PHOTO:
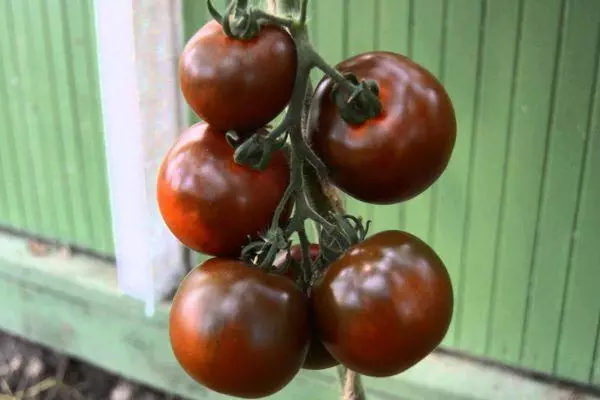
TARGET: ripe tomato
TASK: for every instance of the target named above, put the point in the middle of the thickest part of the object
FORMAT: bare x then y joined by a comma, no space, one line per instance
318,357
384,305
237,84
210,203
238,330
400,153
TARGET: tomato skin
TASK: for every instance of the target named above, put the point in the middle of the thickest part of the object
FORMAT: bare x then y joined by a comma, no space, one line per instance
318,357
237,84
209,202
397,155
384,305
238,330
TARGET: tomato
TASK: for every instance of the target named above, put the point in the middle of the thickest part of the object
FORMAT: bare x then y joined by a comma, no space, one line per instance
209,202
384,305
318,357
296,254
235,84
398,154
238,330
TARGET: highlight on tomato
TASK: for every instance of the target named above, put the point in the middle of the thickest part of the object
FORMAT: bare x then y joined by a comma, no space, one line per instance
238,330
237,84
401,152
211,203
384,305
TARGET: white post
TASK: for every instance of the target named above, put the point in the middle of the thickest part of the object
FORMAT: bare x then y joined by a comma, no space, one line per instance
138,47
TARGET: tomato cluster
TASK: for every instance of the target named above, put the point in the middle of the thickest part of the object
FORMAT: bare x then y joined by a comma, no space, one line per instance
383,303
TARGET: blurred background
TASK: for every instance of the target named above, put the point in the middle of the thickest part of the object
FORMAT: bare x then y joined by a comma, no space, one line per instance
89,103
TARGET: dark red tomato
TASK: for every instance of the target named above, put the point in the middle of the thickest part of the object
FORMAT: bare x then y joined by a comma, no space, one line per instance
237,84
397,155
238,330
296,254
318,357
384,305
211,203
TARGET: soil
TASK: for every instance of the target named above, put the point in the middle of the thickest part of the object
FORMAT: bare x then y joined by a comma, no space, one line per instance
29,371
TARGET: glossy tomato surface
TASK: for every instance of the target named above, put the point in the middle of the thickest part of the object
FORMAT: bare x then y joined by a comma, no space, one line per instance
397,155
211,203
238,330
384,305
237,84
318,357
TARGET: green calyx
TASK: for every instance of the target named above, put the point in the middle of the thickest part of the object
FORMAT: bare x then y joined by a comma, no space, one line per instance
244,23
360,104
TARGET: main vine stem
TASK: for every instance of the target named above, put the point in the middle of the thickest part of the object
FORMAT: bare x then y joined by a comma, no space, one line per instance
313,198
351,383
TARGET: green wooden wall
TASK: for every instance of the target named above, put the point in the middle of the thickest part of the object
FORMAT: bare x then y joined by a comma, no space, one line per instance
52,161
516,217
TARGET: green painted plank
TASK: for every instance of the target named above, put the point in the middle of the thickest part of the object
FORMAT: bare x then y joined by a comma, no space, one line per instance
427,40
31,73
14,69
13,211
524,168
48,133
461,77
330,30
392,17
77,17
327,32
475,274
48,192
595,370
66,110
579,331
195,15
565,156
98,186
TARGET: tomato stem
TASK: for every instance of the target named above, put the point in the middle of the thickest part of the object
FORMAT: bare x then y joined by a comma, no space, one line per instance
338,231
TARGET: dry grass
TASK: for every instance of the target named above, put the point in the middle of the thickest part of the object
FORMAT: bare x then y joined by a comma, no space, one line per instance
31,372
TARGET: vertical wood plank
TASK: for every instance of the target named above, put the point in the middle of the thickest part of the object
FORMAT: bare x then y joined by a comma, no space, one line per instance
89,145
195,15
426,35
100,204
67,116
461,75
16,68
569,126
523,174
393,21
330,30
14,212
595,370
35,110
578,337
49,133
486,172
